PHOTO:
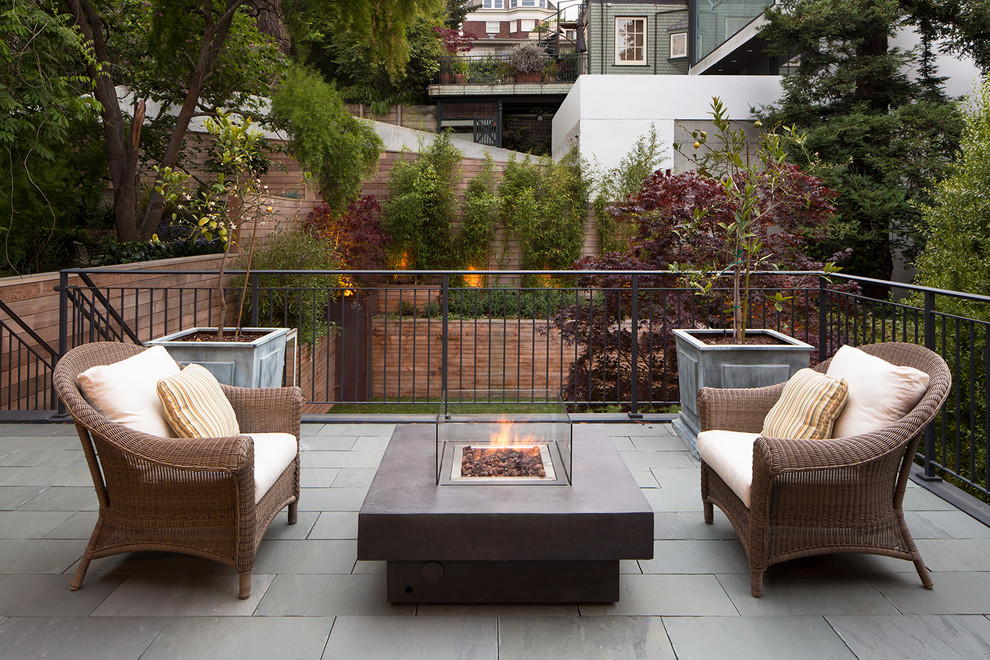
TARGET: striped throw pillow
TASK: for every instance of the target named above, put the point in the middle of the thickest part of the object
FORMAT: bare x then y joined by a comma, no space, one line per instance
807,408
195,406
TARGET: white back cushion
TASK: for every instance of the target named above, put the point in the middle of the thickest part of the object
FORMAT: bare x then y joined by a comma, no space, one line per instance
880,393
126,392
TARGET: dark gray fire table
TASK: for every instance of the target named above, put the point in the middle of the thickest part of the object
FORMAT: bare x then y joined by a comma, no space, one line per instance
501,543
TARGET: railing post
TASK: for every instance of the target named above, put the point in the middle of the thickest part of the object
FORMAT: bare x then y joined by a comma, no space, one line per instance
63,330
822,318
634,377
930,342
444,290
255,322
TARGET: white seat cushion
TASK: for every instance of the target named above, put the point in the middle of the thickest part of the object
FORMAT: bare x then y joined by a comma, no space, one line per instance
880,393
126,392
272,454
730,454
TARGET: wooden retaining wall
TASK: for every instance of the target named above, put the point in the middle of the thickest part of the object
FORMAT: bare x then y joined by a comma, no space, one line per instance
406,356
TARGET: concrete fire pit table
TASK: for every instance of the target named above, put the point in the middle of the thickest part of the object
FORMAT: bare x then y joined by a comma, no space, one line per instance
503,543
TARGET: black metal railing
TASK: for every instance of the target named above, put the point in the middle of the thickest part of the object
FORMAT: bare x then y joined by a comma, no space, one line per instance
402,338
27,365
498,69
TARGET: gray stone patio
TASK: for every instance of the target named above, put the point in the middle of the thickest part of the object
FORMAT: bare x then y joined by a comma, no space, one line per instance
312,599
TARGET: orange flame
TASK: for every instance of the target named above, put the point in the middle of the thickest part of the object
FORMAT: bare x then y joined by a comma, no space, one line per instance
506,434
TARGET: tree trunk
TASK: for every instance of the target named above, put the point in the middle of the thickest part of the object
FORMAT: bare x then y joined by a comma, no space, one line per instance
271,21
122,154
214,36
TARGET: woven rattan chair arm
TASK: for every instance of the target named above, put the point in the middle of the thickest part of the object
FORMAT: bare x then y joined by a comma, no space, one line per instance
233,454
730,409
776,456
266,410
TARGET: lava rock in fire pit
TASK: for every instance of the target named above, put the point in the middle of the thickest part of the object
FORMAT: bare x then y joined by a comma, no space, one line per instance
485,462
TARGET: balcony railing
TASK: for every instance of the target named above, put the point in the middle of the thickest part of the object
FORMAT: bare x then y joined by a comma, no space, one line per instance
405,337
498,69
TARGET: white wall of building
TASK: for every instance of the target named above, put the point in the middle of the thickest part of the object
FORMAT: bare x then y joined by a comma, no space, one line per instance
604,115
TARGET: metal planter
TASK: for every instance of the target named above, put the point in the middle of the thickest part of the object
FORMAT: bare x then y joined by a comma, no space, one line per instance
729,365
259,363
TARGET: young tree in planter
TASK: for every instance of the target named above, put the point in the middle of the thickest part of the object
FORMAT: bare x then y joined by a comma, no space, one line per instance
731,215
234,198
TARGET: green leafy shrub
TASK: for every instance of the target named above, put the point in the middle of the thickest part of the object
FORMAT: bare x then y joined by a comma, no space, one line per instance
339,149
422,209
544,202
615,185
480,218
293,300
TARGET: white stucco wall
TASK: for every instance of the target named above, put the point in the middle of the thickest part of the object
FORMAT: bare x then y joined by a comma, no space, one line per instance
605,115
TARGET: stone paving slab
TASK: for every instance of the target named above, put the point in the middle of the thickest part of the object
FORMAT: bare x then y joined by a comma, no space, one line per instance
756,637
914,636
243,638
77,638
586,637
312,599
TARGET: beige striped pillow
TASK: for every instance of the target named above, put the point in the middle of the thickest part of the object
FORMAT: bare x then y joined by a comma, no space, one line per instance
195,406
807,408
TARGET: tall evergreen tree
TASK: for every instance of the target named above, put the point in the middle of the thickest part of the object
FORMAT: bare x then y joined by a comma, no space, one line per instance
874,134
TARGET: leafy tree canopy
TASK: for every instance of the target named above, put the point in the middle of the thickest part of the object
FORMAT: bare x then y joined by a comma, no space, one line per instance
957,254
339,149
873,133
41,86
379,26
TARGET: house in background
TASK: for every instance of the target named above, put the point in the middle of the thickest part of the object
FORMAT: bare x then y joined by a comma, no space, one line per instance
636,38
482,96
691,52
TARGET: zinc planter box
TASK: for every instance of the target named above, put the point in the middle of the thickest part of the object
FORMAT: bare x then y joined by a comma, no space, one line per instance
258,363
700,364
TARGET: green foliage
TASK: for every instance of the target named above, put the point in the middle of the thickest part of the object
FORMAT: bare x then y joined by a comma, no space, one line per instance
42,91
957,258
295,301
46,203
421,210
339,149
378,31
544,202
340,57
614,185
495,303
135,251
158,43
957,253
872,133
480,218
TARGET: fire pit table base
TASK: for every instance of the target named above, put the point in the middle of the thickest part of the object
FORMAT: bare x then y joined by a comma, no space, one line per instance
503,582
494,543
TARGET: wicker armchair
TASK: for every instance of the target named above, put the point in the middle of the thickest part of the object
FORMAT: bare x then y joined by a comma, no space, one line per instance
179,495
811,497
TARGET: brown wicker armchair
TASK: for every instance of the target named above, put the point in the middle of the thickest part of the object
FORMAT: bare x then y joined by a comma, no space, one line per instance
180,495
811,497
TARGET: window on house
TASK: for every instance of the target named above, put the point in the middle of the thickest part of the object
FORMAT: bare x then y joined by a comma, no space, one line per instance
527,25
678,45
494,4
630,41
527,3
492,27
